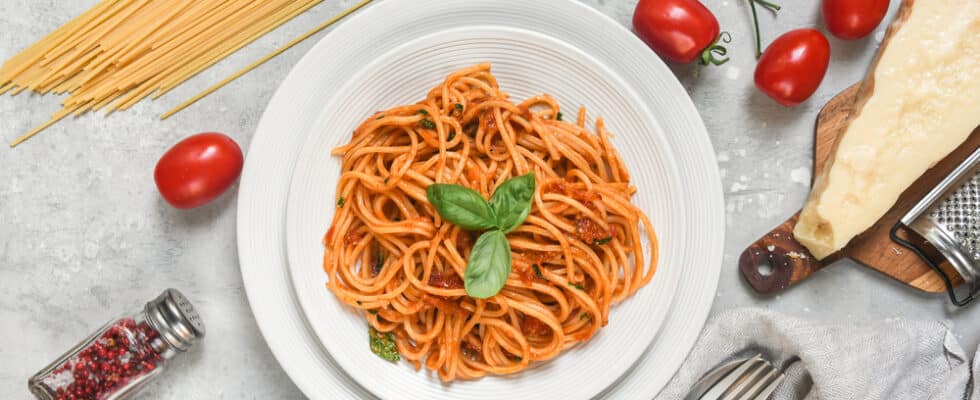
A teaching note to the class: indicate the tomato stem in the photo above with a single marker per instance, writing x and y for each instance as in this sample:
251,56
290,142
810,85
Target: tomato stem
755,20
715,53
771,6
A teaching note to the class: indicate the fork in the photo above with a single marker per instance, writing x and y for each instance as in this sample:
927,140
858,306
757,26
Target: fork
753,378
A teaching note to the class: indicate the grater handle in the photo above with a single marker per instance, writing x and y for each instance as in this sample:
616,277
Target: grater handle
777,261
954,200
948,280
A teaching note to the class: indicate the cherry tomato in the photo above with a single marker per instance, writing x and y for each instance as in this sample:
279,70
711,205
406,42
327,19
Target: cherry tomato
198,169
853,19
678,30
793,66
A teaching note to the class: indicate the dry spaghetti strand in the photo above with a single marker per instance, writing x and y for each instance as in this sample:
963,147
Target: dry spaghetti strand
122,51
389,254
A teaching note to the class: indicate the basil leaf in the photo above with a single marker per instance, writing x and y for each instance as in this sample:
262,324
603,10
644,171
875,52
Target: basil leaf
512,201
462,206
383,344
489,265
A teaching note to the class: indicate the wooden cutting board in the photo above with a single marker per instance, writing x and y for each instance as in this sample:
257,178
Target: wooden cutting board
777,261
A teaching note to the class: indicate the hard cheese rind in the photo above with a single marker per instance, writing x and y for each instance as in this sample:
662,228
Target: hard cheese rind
919,102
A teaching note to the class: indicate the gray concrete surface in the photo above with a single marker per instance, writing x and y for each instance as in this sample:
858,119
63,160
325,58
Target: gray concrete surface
84,234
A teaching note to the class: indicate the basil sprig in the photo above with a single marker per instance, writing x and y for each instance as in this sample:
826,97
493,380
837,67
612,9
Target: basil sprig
490,260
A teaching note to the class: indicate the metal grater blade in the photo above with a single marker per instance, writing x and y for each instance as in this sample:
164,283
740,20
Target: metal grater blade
959,214
949,219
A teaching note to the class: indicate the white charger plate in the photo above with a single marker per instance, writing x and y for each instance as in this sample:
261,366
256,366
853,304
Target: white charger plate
293,112
525,64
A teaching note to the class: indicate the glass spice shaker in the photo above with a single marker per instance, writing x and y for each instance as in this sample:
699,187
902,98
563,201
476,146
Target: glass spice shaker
122,356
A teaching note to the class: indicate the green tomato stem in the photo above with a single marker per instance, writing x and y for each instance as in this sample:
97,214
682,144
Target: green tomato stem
716,54
755,21
771,6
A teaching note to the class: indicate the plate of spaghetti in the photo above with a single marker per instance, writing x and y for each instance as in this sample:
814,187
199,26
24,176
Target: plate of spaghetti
489,195
453,231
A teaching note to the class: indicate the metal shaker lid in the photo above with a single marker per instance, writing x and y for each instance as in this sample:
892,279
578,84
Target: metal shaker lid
175,318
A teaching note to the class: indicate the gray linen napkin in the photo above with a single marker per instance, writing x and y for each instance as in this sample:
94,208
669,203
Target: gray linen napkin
893,360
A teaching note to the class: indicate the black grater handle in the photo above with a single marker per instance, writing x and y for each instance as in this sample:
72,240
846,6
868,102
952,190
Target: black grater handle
919,251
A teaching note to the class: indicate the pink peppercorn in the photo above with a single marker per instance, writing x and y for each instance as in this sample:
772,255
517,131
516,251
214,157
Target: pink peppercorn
115,360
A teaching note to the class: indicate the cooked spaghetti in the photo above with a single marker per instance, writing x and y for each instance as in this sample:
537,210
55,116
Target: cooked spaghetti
391,255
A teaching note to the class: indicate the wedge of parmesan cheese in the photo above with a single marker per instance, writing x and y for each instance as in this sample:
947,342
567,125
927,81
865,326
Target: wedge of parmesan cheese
919,102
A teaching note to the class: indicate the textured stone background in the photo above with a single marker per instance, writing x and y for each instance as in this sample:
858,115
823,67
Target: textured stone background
84,234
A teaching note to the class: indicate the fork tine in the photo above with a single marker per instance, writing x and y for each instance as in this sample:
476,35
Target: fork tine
760,384
720,388
710,379
767,392
741,389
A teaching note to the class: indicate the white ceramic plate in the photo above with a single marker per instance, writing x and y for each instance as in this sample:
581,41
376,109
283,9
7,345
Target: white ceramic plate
367,36
525,63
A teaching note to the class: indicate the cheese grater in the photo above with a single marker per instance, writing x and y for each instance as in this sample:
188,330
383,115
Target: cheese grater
948,221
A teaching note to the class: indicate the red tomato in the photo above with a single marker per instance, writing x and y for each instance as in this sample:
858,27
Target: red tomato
198,169
678,30
793,66
853,19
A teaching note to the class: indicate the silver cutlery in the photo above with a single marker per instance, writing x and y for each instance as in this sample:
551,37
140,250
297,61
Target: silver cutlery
751,378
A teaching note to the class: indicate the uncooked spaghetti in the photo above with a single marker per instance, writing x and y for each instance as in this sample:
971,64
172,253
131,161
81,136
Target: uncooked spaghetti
391,255
122,51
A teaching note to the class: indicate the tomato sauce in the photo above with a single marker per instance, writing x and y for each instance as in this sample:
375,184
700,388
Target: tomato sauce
588,198
534,327
589,231
445,280
352,237
465,240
